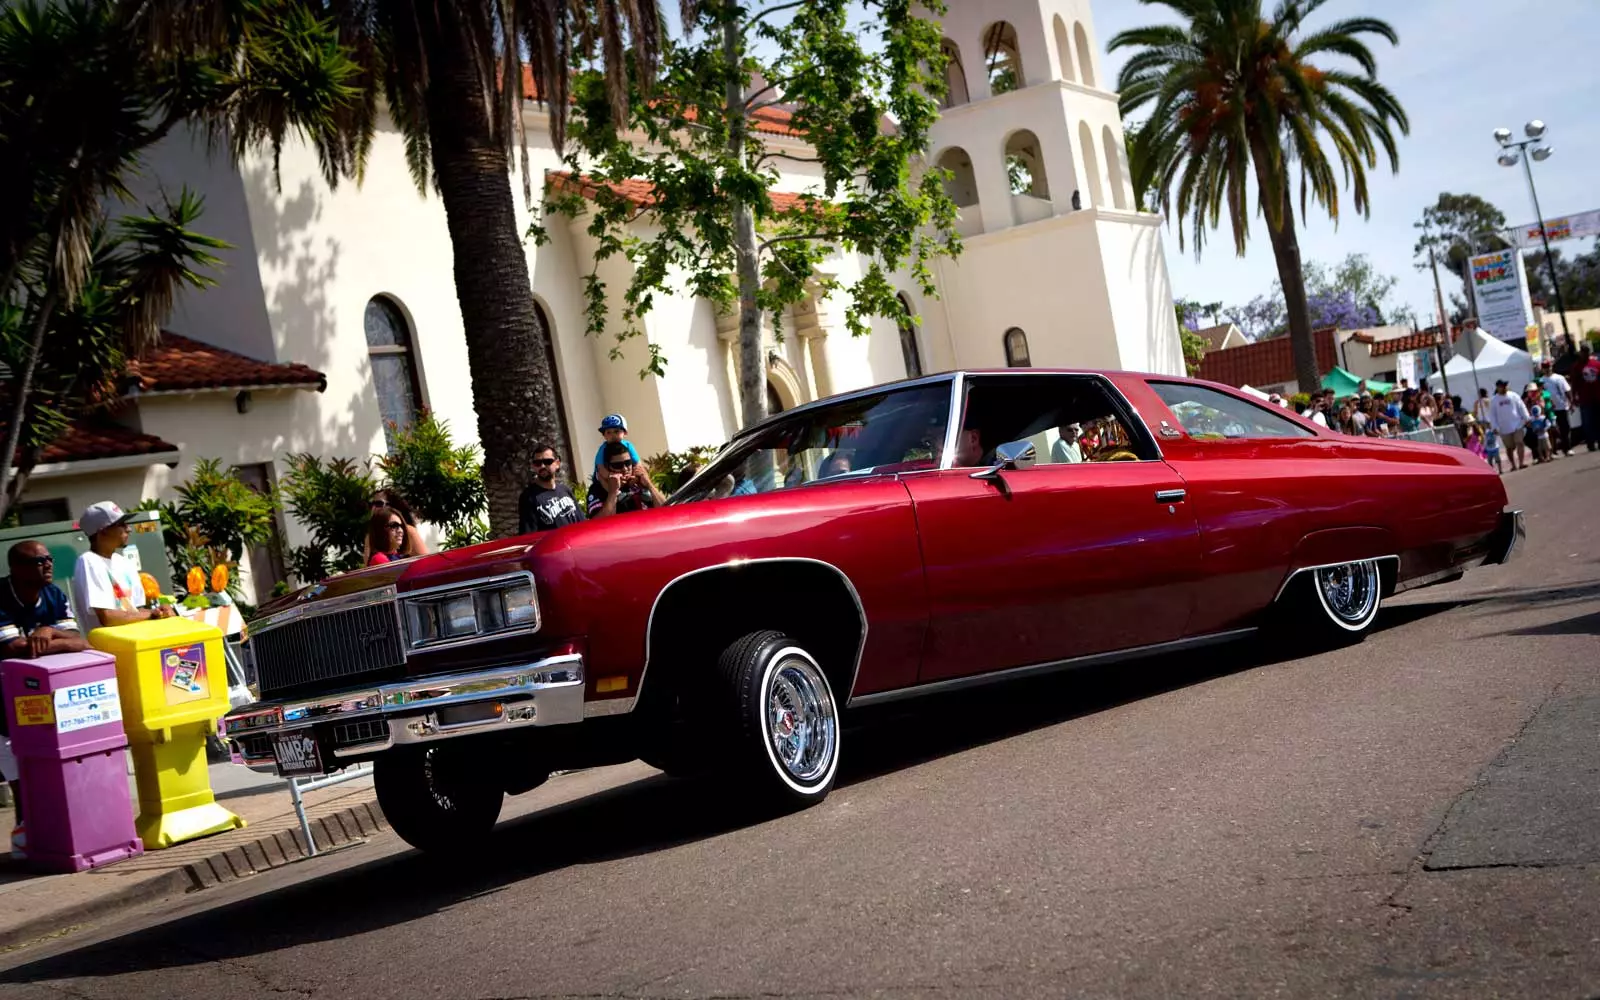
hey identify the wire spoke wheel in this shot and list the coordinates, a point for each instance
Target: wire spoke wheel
(1349, 593)
(801, 722)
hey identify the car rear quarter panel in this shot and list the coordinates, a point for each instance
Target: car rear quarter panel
(1266, 507)
(600, 580)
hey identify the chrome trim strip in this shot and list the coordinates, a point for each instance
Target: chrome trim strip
(542, 679)
(472, 584)
(608, 706)
(1306, 569)
(301, 612)
(650, 623)
(1040, 669)
(952, 423)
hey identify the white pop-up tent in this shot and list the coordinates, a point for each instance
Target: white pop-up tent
(1481, 360)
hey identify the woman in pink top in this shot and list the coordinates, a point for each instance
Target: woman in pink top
(386, 536)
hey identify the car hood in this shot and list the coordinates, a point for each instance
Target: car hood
(503, 555)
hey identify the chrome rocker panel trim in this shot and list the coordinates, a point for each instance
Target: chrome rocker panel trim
(1038, 669)
(546, 692)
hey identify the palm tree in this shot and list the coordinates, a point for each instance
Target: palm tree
(450, 76)
(1236, 95)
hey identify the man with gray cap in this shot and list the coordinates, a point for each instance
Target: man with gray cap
(105, 587)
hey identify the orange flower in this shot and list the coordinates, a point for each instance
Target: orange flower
(197, 580)
(152, 589)
(219, 578)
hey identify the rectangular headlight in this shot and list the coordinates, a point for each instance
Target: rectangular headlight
(481, 610)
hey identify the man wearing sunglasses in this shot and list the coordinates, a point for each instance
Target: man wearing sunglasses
(622, 485)
(35, 618)
(546, 503)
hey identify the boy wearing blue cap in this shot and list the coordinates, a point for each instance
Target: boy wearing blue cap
(612, 428)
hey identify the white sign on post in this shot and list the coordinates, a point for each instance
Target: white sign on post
(1405, 368)
(1500, 287)
(84, 705)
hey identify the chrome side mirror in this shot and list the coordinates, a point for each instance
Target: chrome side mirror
(1009, 457)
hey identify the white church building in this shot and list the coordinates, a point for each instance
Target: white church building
(336, 309)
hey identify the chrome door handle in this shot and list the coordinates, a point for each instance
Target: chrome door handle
(1171, 496)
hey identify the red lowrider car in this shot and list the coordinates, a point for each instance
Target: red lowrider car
(910, 538)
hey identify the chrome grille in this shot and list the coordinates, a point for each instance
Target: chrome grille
(320, 647)
(349, 734)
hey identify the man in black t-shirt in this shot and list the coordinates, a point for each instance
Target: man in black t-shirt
(546, 503)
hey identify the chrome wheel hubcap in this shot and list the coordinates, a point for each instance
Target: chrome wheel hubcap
(1349, 592)
(801, 721)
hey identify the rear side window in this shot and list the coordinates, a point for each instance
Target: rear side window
(1209, 415)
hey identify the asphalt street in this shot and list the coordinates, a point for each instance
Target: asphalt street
(1418, 816)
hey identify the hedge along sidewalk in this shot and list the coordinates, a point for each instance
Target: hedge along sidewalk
(36, 906)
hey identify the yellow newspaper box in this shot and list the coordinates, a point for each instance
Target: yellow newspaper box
(174, 685)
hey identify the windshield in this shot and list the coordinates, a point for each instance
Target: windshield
(901, 430)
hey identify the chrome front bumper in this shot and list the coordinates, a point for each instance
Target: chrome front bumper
(1507, 538)
(368, 720)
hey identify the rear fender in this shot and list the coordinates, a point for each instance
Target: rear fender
(1333, 546)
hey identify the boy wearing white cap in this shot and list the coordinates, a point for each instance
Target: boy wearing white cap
(105, 587)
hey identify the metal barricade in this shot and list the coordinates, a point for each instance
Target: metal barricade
(298, 786)
(1433, 435)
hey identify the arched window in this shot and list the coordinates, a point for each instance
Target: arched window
(1016, 343)
(1091, 165)
(1114, 172)
(955, 76)
(774, 401)
(1085, 62)
(960, 185)
(1025, 166)
(394, 366)
(555, 382)
(1064, 50)
(908, 340)
(1001, 59)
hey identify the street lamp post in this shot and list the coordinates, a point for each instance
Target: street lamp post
(1513, 152)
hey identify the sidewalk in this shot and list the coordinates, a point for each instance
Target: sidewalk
(33, 906)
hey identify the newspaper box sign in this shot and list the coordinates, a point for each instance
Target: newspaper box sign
(84, 706)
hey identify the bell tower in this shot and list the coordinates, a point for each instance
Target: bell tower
(1032, 139)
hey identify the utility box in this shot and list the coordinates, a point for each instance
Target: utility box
(174, 686)
(65, 721)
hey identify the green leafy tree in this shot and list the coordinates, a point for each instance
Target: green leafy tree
(698, 139)
(450, 78)
(1454, 228)
(1236, 96)
(80, 104)
(215, 518)
(442, 481)
(330, 500)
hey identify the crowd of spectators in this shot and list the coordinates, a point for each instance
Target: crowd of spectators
(1506, 428)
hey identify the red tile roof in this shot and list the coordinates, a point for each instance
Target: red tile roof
(773, 120)
(178, 364)
(1407, 342)
(1266, 362)
(90, 439)
(643, 193)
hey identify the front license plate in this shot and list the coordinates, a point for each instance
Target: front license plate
(296, 753)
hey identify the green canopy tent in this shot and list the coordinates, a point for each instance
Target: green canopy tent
(1345, 384)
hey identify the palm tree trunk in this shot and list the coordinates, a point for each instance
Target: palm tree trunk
(19, 402)
(1292, 275)
(513, 388)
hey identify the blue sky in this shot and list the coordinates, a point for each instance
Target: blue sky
(1462, 68)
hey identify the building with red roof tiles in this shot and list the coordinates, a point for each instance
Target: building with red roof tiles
(335, 318)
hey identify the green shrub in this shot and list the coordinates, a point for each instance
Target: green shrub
(330, 500)
(671, 469)
(216, 517)
(443, 483)
(1300, 399)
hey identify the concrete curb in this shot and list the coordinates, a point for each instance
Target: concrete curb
(240, 859)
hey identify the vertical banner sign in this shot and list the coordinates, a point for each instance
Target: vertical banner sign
(183, 673)
(1535, 348)
(1405, 368)
(1499, 287)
